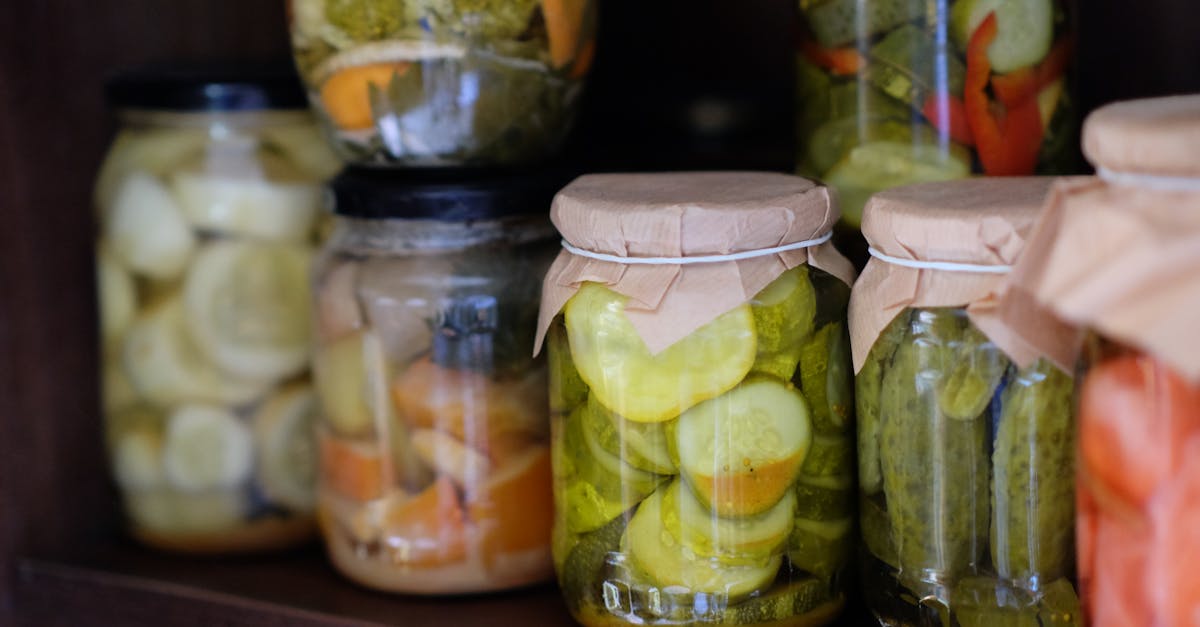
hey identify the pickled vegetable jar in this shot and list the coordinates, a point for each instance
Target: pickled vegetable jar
(434, 437)
(702, 406)
(446, 82)
(965, 426)
(893, 92)
(208, 206)
(1139, 388)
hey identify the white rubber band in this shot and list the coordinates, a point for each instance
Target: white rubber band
(948, 266)
(1151, 181)
(664, 261)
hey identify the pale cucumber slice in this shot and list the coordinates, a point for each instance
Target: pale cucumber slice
(207, 448)
(615, 363)
(642, 445)
(821, 547)
(599, 486)
(249, 206)
(146, 230)
(829, 456)
(305, 147)
(155, 152)
(732, 541)
(166, 368)
(666, 562)
(824, 498)
(878, 165)
(783, 320)
(834, 139)
(741, 452)
(248, 307)
(118, 299)
(567, 389)
(284, 436)
(169, 512)
(1024, 30)
(137, 459)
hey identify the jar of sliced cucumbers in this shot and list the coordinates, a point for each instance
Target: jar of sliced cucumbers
(208, 206)
(893, 92)
(434, 435)
(444, 82)
(704, 456)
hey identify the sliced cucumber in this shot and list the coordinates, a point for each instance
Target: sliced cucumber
(621, 372)
(842, 22)
(207, 448)
(732, 541)
(155, 152)
(598, 485)
(146, 229)
(867, 400)
(285, 438)
(567, 389)
(582, 573)
(642, 445)
(783, 320)
(168, 512)
(118, 299)
(248, 206)
(741, 451)
(137, 459)
(167, 369)
(612, 465)
(831, 142)
(1024, 30)
(248, 307)
(666, 562)
(909, 66)
(878, 165)
(829, 456)
(821, 547)
(826, 379)
(824, 498)
(806, 602)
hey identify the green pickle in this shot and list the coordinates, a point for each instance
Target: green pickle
(712, 482)
(967, 479)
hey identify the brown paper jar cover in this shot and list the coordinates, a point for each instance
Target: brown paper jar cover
(1124, 258)
(686, 214)
(982, 222)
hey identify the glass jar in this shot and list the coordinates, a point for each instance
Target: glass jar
(208, 204)
(711, 481)
(967, 474)
(893, 92)
(434, 436)
(418, 83)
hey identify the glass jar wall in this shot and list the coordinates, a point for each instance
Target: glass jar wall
(966, 465)
(712, 482)
(434, 438)
(892, 92)
(414, 82)
(208, 204)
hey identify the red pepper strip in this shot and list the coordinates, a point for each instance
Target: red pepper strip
(948, 115)
(1007, 147)
(1015, 86)
(839, 61)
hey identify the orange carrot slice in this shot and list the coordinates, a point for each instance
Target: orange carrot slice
(428, 529)
(515, 509)
(1120, 586)
(351, 468)
(1172, 574)
(564, 26)
(346, 96)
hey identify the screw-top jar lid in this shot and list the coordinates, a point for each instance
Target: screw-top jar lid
(213, 88)
(445, 195)
(1157, 136)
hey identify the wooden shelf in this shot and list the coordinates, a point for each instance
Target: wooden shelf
(122, 584)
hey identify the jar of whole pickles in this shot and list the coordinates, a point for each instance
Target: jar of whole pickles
(1120, 255)
(434, 438)
(701, 400)
(965, 422)
(893, 92)
(448, 82)
(208, 205)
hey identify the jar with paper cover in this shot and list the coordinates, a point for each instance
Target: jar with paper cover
(208, 208)
(1139, 388)
(701, 400)
(434, 435)
(965, 421)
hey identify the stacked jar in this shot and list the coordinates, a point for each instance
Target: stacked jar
(965, 421)
(1120, 255)
(701, 400)
(893, 92)
(208, 206)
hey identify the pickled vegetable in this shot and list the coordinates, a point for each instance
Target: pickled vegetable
(783, 320)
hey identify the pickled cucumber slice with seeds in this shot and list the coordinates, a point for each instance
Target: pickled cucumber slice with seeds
(824, 498)
(908, 66)
(581, 576)
(567, 390)
(821, 547)
(842, 22)
(642, 445)
(833, 140)
(866, 396)
(599, 484)
(618, 368)
(666, 563)
(1033, 477)
(805, 602)
(877, 165)
(826, 379)
(1059, 605)
(1024, 30)
(741, 452)
(732, 541)
(829, 456)
(968, 389)
(783, 320)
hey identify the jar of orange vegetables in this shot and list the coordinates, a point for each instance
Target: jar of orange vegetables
(1121, 254)
(434, 445)
(416, 82)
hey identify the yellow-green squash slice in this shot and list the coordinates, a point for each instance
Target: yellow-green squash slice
(732, 541)
(783, 320)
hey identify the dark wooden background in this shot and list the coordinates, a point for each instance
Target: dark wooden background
(678, 83)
